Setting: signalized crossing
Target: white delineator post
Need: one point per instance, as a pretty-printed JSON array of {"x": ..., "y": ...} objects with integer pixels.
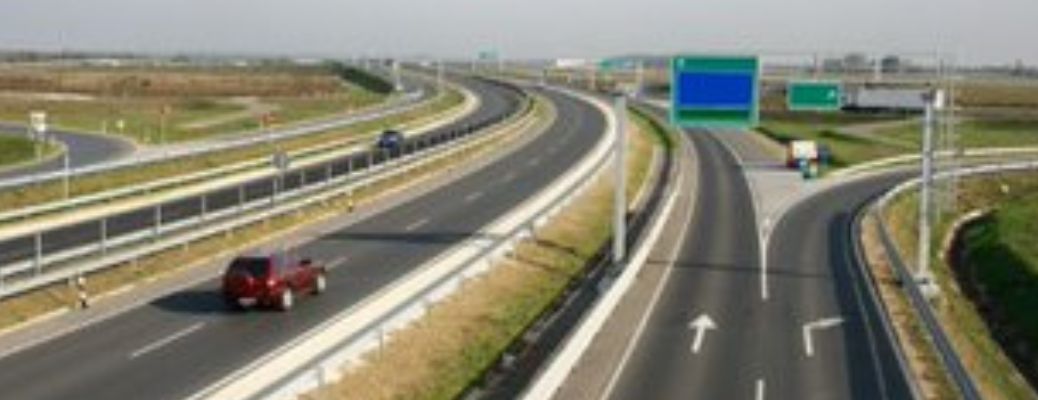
[
  {"x": 924, "y": 276},
  {"x": 67, "y": 168},
  {"x": 620, "y": 200},
  {"x": 398, "y": 85}
]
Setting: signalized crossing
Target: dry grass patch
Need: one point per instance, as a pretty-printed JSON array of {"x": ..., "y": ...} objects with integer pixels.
[
  {"x": 448, "y": 349},
  {"x": 24, "y": 307},
  {"x": 53, "y": 191},
  {"x": 993, "y": 372},
  {"x": 926, "y": 368}
]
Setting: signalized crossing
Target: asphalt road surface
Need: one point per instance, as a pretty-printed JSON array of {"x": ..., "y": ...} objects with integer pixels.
[
  {"x": 107, "y": 360},
  {"x": 84, "y": 149},
  {"x": 497, "y": 102},
  {"x": 757, "y": 348}
]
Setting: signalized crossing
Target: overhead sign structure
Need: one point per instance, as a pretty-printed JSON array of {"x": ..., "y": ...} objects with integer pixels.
[
  {"x": 814, "y": 96},
  {"x": 715, "y": 91}
]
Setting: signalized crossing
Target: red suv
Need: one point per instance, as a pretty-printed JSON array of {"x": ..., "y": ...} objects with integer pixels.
[{"x": 271, "y": 280}]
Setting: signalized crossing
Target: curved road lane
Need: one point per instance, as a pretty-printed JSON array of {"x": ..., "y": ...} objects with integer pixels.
[
  {"x": 758, "y": 348},
  {"x": 179, "y": 344},
  {"x": 84, "y": 149}
]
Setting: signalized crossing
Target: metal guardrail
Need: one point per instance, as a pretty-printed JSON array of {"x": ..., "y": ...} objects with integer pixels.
[
  {"x": 175, "y": 181},
  {"x": 319, "y": 369},
  {"x": 40, "y": 269},
  {"x": 406, "y": 103},
  {"x": 950, "y": 359}
]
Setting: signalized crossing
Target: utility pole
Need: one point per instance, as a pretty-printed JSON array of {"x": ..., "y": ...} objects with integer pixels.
[
  {"x": 924, "y": 276},
  {"x": 620, "y": 198}
]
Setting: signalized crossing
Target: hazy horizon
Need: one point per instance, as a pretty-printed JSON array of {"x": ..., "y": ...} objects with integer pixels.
[{"x": 992, "y": 32}]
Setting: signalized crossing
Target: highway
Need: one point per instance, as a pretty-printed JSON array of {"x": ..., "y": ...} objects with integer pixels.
[
  {"x": 84, "y": 149},
  {"x": 496, "y": 104},
  {"x": 817, "y": 335},
  {"x": 178, "y": 344}
]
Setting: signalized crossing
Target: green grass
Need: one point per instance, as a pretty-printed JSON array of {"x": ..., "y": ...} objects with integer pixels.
[
  {"x": 15, "y": 150},
  {"x": 824, "y": 128},
  {"x": 106, "y": 181},
  {"x": 1003, "y": 259},
  {"x": 979, "y": 133}
]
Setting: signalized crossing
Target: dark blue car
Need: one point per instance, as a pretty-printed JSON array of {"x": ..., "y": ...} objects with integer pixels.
[{"x": 390, "y": 140}]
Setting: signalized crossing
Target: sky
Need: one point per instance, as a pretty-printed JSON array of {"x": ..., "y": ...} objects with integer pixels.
[{"x": 972, "y": 31}]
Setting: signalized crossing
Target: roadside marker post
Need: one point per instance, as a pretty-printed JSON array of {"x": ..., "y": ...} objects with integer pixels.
[{"x": 715, "y": 91}]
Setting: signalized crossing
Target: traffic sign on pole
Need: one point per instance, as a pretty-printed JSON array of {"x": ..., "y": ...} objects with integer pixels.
[
  {"x": 715, "y": 91},
  {"x": 814, "y": 96}
]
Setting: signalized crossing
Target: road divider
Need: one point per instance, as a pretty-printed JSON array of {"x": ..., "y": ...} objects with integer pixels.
[
  {"x": 257, "y": 165},
  {"x": 43, "y": 269},
  {"x": 317, "y": 357}
]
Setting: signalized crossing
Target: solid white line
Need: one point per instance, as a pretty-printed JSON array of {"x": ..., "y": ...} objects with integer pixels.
[
  {"x": 652, "y": 306},
  {"x": 337, "y": 262},
  {"x": 166, "y": 340},
  {"x": 473, "y": 197},
  {"x": 417, "y": 224},
  {"x": 820, "y": 324},
  {"x": 762, "y": 236},
  {"x": 760, "y": 390}
]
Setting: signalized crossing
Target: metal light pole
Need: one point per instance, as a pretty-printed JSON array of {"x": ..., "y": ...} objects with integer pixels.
[
  {"x": 924, "y": 276},
  {"x": 620, "y": 198}
]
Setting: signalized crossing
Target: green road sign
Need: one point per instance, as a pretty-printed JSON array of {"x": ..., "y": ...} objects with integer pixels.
[
  {"x": 814, "y": 96},
  {"x": 715, "y": 91}
]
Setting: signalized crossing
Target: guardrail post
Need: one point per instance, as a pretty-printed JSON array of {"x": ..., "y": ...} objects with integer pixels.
[
  {"x": 104, "y": 236},
  {"x": 37, "y": 259},
  {"x": 158, "y": 221},
  {"x": 205, "y": 206}
]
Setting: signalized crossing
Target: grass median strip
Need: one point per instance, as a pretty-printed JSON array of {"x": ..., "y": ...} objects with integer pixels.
[
  {"x": 15, "y": 150},
  {"x": 446, "y": 351},
  {"x": 965, "y": 321},
  {"x": 54, "y": 191},
  {"x": 19, "y": 309}
]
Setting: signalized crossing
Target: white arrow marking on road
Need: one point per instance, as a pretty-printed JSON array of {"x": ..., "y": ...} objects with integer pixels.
[
  {"x": 820, "y": 324},
  {"x": 700, "y": 325}
]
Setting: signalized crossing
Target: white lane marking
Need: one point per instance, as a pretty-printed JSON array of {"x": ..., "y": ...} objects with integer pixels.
[
  {"x": 657, "y": 293},
  {"x": 417, "y": 224},
  {"x": 760, "y": 390},
  {"x": 473, "y": 197},
  {"x": 166, "y": 340},
  {"x": 700, "y": 325},
  {"x": 764, "y": 238},
  {"x": 816, "y": 325},
  {"x": 762, "y": 233},
  {"x": 337, "y": 262}
]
